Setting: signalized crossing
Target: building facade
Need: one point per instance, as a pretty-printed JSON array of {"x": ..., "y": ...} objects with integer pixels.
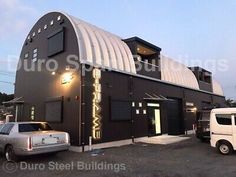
[{"x": 95, "y": 85}]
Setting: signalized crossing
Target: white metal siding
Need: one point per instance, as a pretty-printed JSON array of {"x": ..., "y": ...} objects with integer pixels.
[
  {"x": 100, "y": 48},
  {"x": 177, "y": 73},
  {"x": 217, "y": 88}
]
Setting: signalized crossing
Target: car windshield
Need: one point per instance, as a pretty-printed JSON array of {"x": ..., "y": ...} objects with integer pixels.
[{"x": 32, "y": 127}]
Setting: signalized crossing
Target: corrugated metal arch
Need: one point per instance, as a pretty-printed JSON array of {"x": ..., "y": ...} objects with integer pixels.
[
  {"x": 217, "y": 88},
  {"x": 177, "y": 73},
  {"x": 101, "y": 48}
]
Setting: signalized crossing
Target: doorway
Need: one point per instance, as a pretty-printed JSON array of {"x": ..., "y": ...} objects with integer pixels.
[
  {"x": 175, "y": 117},
  {"x": 154, "y": 119}
]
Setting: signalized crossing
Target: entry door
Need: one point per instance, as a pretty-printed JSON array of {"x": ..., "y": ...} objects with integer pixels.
[{"x": 154, "y": 119}]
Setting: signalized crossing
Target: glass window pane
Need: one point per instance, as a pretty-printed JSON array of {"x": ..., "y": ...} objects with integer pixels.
[{"x": 224, "y": 119}]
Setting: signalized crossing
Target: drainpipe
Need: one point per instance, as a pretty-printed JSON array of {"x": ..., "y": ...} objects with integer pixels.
[
  {"x": 16, "y": 116},
  {"x": 184, "y": 112},
  {"x": 82, "y": 116},
  {"x": 132, "y": 114}
]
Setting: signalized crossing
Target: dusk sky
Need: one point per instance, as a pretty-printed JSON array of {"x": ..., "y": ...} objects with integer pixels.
[{"x": 195, "y": 32}]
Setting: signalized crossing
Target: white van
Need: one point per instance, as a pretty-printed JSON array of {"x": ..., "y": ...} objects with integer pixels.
[{"x": 223, "y": 129}]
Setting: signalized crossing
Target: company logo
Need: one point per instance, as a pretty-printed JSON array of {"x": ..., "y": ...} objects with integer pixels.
[{"x": 96, "y": 111}]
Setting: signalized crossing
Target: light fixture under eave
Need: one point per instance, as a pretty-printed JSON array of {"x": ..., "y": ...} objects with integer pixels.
[
  {"x": 193, "y": 110},
  {"x": 66, "y": 78},
  {"x": 53, "y": 73}
]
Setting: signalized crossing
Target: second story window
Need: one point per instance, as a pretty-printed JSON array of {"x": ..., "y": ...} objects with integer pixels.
[{"x": 35, "y": 55}]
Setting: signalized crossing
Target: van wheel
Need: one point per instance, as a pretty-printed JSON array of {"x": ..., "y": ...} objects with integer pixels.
[
  {"x": 10, "y": 154},
  {"x": 225, "y": 148}
]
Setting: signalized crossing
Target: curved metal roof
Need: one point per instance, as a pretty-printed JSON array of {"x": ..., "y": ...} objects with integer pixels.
[
  {"x": 177, "y": 73},
  {"x": 101, "y": 48},
  {"x": 217, "y": 88}
]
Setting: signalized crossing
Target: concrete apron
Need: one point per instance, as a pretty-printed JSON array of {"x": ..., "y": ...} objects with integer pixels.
[{"x": 162, "y": 139}]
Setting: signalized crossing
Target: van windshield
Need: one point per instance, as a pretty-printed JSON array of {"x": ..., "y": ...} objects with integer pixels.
[{"x": 32, "y": 127}]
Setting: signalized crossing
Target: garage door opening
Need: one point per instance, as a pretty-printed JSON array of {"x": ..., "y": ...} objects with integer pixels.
[{"x": 175, "y": 117}]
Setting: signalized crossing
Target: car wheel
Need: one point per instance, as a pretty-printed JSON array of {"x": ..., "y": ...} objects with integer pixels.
[
  {"x": 225, "y": 148},
  {"x": 10, "y": 154}
]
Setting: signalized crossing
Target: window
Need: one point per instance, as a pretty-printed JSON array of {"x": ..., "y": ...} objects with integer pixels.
[
  {"x": 120, "y": 110},
  {"x": 133, "y": 104},
  {"x": 56, "y": 42},
  {"x": 26, "y": 55},
  {"x": 140, "y": 104},
  {"x": 45, "y": 27},
  {"x": 153, "y": 105},
  {"x": 54, "y": 111},
  {"x": 52, "y": 22},
  {"x": 33, "y": 34},
  {"x": 6, "y": 129},
  {"x": 224, "y": 119},
  {"x": 35, "y": 55},
  {"x": 34, "y": 127},
  {"x": 59, "y": 18},
  {"x": 39, "y": 30},
  {"x": 32, "y": 113}
]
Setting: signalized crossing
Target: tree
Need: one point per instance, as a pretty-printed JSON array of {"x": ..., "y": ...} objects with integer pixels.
[
  {"x": 5, "y": 97},
  {"x": 231, "y": 103}
]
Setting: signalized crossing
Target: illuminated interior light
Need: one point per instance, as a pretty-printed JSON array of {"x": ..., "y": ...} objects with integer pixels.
[{"x": 53, "y": 73}]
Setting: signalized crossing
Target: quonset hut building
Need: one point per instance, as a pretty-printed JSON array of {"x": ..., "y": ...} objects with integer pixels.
[{"x": 114, "y": 95}]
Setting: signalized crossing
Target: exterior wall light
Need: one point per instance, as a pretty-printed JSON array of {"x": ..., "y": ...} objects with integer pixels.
[
  {"x": 53, "y": 73},
  {"x": 66, "y": 78},
  {"x": 193, "y": 110}
]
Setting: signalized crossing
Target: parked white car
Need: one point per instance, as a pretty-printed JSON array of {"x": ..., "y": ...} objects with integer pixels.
[
  {"x": 223, "y": 129},
  {"x": 29, "y": 138}
]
